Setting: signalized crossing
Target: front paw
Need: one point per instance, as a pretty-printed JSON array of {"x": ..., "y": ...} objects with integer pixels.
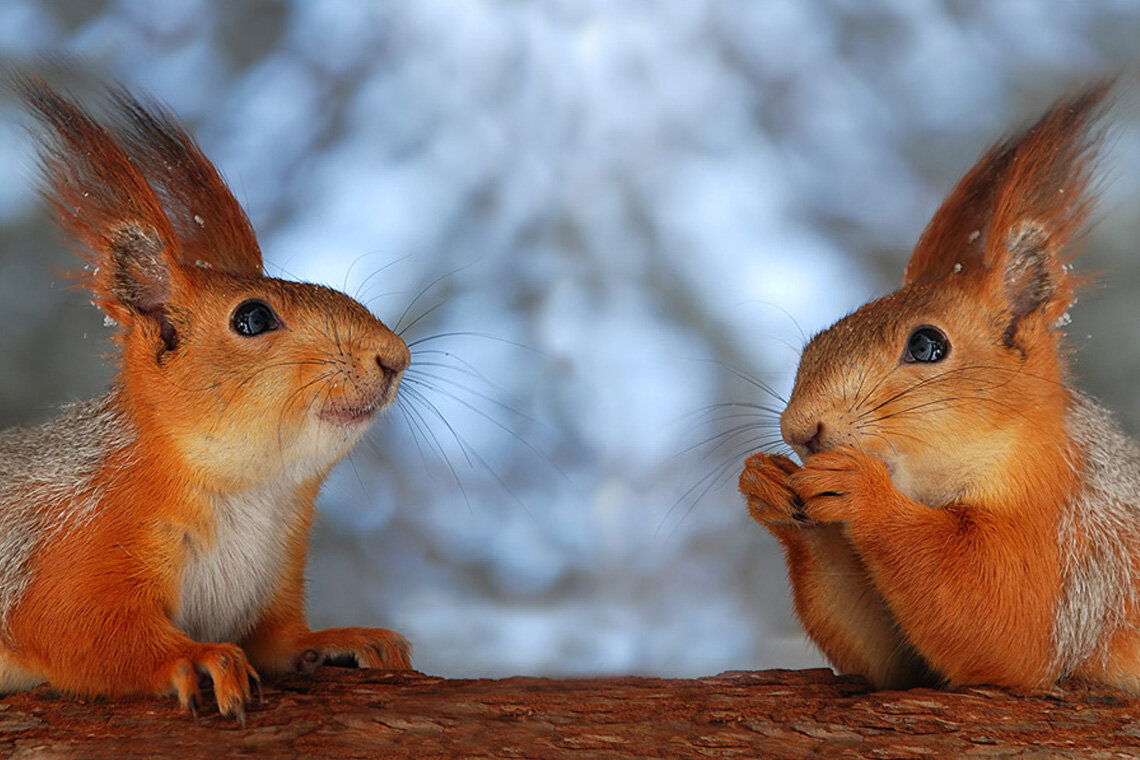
[
  {"x": 771, "y": 500},
  {"x": 224, "y": 666},
  {"x": 838, "y": 484},
  {"x": 353, "y": 647}
]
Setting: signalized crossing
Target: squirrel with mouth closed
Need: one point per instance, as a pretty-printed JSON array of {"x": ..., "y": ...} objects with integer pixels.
[{"x": 154, "y": 538}]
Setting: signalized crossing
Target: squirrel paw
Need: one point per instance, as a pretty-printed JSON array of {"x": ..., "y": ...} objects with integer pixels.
[
  {"x": 353, "y": 647},
  {"x": 224, "y": 665},
  {"x": 836, "y": 484},
  {"x": 771, "y": 500}
]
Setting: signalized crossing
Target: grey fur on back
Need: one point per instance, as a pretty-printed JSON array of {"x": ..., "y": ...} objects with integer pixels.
[
  {"x": 45, "y": 477},
  {"x": 1098, "y": 534}
]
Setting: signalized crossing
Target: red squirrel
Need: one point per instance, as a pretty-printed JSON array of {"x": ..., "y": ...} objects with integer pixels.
[
  {"x": 962, "y": 514},
  {"x": 158, "y": 533}
]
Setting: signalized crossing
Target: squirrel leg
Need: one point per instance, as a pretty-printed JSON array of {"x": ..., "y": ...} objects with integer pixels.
[
  {"x": 834, "y": 597},
  {"x": 1119, "y": 664},
  {"x": 98, "y": 623},
  {"x": 973, "y": 590},
  {"x": 14, "y": 677},
  {"x": 281, "y": 641}
]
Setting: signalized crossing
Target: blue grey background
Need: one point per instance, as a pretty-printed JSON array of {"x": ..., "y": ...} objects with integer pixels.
[{"x": 613, "y": 213}]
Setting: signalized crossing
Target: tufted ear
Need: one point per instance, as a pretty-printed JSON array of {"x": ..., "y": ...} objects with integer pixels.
[
  {"x": 211, "y": 225},
  {"x": 100, "y": 197},
  {"x": 1042, "y": 202},
  {"x": 954, "y": 240},
  {"x": 1015, "y": 213}
]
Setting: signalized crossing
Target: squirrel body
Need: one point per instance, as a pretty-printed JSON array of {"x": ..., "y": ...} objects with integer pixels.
[
  {"x": 159, "y": 532},
  {"x": 963, "y": 515}
]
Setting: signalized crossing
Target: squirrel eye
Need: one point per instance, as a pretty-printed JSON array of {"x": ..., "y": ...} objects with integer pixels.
[
  {"x": 926, "y": 344},
  {"x": 254, "y": 317}
]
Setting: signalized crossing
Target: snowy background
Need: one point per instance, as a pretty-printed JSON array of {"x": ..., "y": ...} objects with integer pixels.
[{"x": 616, "y": 215}]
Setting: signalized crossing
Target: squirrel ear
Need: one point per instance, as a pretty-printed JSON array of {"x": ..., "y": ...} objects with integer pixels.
[
  {"x": 211, "y": 225},
  {"x": 954, "y": 239},
  {"x": 101, "y": 198},
  {"x": 139, "y": 274},
  {"x": 1042, "y": 202},
  {"x": 1013, "y": 214}
]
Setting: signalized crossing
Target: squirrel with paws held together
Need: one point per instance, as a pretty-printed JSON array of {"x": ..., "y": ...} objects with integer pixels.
[{"x": 963, "y": 515}]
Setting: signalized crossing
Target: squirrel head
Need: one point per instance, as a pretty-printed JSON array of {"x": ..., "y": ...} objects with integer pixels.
[
  {"x": 960, "y": 373},
  {"x": 250, "y": 378}
]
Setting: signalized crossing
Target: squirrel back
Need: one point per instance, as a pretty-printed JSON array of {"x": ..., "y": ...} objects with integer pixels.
[
  {"x": 43, "y": 469},
  {"x": 1098, "y": 537}
]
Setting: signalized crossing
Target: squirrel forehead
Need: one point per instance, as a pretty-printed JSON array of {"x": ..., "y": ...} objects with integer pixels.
[
  {"x": 875, "y": 330},
  {"x": 212, "y": 295},
  {"x": 307, "y": 295}
]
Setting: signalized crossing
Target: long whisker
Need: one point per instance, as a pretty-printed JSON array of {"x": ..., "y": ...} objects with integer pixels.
[
  {"x": 421, "y": 382},
  {"x": 358, "y": 295},
  {"x": 428, "y": 380},
  {"x": 749, "y": 378},
  {"x": 417, "y": 397},
  {"x": 464, "y": 369},
  {"x": 724, "y": 437},
  {"x": 471, "y": 334},
  {"x": 696, "y": 492},
  {"x": 466, "y": 448},
  {"x": 764, "y": 408},
  {"x": 405, "y": 415},
  {"x": 425, "y": 428},
  {"x": 421, "y": 294},
  {"x": 401, "y": 330}
]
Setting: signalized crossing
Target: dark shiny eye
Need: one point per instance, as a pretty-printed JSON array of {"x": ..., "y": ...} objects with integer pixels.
[
  {"x": 926, "y": 344},
  {"x": 254, "y": 317}
]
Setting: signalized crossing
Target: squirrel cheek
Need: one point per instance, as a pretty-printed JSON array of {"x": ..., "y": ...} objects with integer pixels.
[{"x": 921, "y": 485}]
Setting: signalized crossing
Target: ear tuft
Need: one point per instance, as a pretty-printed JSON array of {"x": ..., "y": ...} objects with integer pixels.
[
  {"x": 1014, "y": 214},
  {"x": 211, "y": 225},
  {"x": 1028, "y": 282},
  {"x": 955, "y": 238}
]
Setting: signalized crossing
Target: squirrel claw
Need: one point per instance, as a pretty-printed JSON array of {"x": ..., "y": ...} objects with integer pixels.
[
  {"x": 192, "y": 706},
  {"x": 255, "y": 679},
  {"x": 354, "y": 647},
  {"x": 836, "y": 484},
  {"x": 225, "y": 667},
  {"x": 771, "y": 500}
]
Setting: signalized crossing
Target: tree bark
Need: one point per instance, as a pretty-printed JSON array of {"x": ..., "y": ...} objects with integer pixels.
[{"x": 341, "y": 713}]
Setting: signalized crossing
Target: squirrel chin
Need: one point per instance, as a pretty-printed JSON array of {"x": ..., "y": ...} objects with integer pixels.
[{"x": 349, "y": 416}]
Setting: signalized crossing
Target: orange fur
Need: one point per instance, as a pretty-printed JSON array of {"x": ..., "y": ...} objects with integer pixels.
[
  {"x": 200, "y": 501},
  {"x": 922, "y": 531}
]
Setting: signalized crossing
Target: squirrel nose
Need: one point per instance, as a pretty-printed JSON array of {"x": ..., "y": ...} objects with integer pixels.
[
  {"x": 809, "y": 437},
  {"x": 394, "y": 363}
]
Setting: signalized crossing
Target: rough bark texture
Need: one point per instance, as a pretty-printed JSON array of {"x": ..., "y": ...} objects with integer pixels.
[{"x": 771, "y": 714}]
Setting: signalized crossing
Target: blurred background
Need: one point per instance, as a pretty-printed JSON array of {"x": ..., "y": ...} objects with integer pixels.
[{"x": 602, "y": 224}]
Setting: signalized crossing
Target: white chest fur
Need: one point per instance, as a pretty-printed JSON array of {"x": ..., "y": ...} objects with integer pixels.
[{"x": 227, "y": 583}]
